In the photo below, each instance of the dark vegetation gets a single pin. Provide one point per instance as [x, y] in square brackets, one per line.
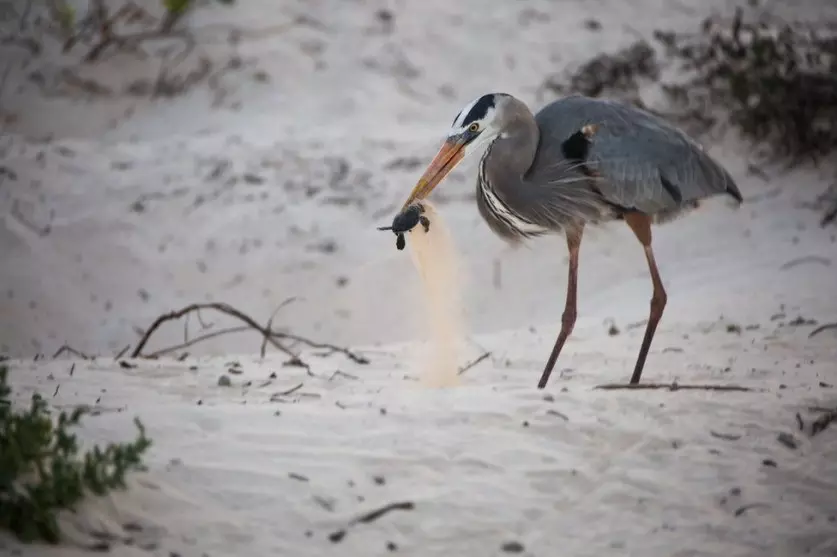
[777, 80]
[156, 29]
[773, 81]
[43, 470]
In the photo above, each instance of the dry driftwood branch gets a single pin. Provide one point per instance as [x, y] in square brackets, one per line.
[219, 307]
[473, 362]
[269, 335]
[671, 387]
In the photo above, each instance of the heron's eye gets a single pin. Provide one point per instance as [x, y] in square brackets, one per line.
[475, 127]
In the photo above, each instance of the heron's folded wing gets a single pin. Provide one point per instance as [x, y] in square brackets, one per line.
[648, 165]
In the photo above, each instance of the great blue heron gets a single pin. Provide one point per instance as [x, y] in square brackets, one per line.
[578, 160]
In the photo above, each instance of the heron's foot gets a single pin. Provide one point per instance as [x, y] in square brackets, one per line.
[405, 221]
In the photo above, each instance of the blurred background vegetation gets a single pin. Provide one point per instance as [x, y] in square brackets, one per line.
[771, 81]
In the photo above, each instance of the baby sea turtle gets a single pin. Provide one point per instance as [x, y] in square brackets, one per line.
[405, 221]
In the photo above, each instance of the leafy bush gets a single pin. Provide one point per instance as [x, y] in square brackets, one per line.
[776, 80]
[42, 471]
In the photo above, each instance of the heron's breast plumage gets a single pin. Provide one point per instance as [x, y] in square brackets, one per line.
[503, 219]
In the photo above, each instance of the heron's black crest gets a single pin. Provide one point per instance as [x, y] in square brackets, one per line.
[479, 110]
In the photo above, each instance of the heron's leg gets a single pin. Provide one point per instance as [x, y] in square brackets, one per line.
[568, 318]
[641, 225]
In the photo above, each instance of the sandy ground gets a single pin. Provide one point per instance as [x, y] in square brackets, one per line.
[270, 185]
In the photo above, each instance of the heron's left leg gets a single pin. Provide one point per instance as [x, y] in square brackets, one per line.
[568, 318]
[641, 225]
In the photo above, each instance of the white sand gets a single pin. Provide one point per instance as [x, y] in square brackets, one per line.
[276, 191]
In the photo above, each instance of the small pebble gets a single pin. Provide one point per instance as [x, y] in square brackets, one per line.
[787, 440]
[512, 547]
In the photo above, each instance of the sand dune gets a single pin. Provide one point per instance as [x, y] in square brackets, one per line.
[274, 190]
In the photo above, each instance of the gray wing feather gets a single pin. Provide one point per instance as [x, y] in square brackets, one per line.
[641, 162]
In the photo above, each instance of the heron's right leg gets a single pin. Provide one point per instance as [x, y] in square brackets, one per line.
[641, 225]
[568, 318]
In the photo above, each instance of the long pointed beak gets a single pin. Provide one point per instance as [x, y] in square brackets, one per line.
[449, 155]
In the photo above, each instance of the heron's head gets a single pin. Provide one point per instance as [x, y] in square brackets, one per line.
[480, 122]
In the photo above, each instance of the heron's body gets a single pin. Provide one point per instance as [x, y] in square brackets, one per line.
[549, 175]
[579, 160]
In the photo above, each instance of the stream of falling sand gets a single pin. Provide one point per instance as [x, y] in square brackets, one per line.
[434, 257]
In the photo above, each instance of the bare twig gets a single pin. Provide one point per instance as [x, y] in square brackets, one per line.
[339, 373]
[122, 352]
[741, 510]
[374, 515]
[70, 350]
[725, 436]
[371, 516]
[671, 387]
[473, 362]
[820, 424]
[821, 329]
[186, 327]
[356, 358]
[269, 327]
[197, 339]
[275, 397]
[290, 391]
[806, 259]
[203, 323]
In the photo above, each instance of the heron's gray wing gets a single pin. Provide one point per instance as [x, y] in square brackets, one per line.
[640, 162]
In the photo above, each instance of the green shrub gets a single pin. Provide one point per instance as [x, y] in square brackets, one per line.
[42, 470]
